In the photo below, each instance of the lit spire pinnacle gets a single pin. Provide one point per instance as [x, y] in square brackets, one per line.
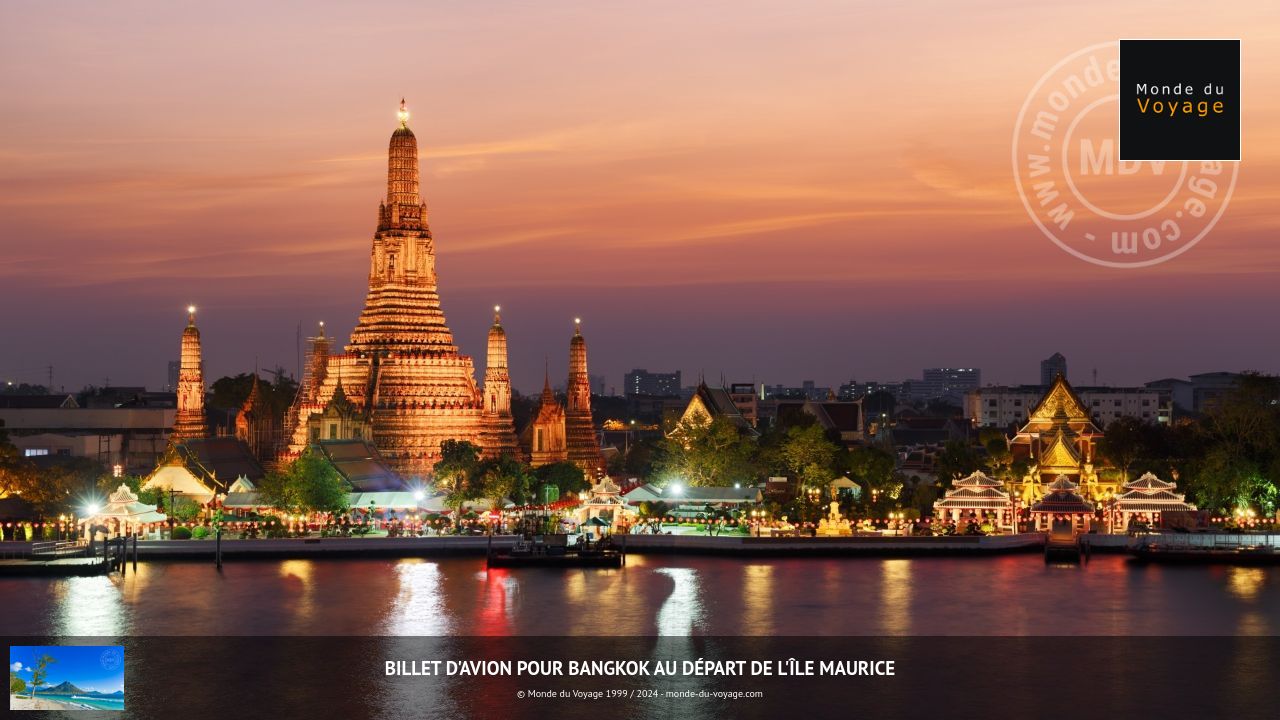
[191, 314]
[577, 326]
[403, 114]
[497, 319]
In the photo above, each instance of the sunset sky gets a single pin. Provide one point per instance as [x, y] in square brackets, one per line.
[774, 191]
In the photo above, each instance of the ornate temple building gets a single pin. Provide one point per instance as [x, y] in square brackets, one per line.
[339, 420]
[1061, 508]
[190, 422]
[497, 428]
[566, 432]
[579, 429]
[978, 496]
[1059, 439]
[258, 426]
[1146, 500]
[545, 436]
[401, 371]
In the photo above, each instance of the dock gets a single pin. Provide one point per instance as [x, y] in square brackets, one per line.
[1213, 548]
[64, 559]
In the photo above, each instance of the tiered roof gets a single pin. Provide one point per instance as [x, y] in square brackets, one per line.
[1062, 498]
[1151, 494]
[975, 492]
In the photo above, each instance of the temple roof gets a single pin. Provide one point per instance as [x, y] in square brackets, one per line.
[255, 396]
[549, 408]
[216, 461]
[977, 491]
[978, 479]
[716, 402]
[1061, 398]
[1061, 452]
[1149, 482]
[1063, 503]
[1062, 483]
[360, 465]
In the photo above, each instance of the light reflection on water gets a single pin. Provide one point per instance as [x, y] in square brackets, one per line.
[681, 612]
[1246, 582]
[675, 596]
[895, 597]
[757, 606]
[418, 607]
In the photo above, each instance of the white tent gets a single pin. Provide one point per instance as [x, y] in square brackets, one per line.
[123, 513]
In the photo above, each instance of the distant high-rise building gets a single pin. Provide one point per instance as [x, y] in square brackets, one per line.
[854, 390]
[1051, 367]
[949, 383]
[657, 384]
[174, 367]
[808, 390]
[598, 385]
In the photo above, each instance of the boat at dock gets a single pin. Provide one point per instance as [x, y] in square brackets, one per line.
[557, 551]
[1223, 548]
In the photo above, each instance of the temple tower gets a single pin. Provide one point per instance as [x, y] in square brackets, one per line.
[401, 371]
[499, 434]
[257, 423]
[547, 431]
[580, 432]
[190, 422]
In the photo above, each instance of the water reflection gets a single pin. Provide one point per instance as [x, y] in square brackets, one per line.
[497, 602]
[1246, 582]
[692, 597]
[89, 606]
[682, 610]
[418, 608]
[757, 599]
[895, 597]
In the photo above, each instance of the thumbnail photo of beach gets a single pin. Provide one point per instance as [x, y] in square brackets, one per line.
[66, 677]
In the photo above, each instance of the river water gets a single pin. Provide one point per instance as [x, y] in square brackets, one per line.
[669, 596]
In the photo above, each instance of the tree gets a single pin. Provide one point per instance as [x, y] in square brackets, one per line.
[567, 477]
[320, 487]
[16, 684]
[457, 473]
[233, 390]
[706, 452]
[40, 672]
[809, 455]
[1241, 456]
[957, 459]
[505, 477]
[1123, 443]
[308, 484]
[873, 467]
[999, 456]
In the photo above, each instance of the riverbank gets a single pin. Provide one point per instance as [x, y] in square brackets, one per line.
[727, 546]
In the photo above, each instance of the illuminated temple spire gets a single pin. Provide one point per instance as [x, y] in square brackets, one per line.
[402, 167]
[190, 421]
[402, 310]
[580, 433]
[401, 371]
[499, 436]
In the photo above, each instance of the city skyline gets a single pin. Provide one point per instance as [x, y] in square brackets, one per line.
[773, 229]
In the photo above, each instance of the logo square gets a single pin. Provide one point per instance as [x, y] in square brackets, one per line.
[1180, 100]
